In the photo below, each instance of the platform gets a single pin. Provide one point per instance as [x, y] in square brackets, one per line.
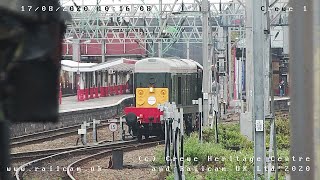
[71, 103]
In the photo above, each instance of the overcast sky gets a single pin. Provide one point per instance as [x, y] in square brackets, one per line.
[106, 2]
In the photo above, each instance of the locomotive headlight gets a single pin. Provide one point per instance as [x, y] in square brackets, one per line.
[151, 89]
[152, 100]
[140, 92]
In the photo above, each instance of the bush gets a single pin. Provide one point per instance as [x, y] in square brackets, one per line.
[282, 133]
[229, 136]
[159, 157]
[189, 175]
[194, 149]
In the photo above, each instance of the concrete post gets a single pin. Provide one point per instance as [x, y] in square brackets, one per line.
[249, 60]
[258, 108]
[117, 159]
[76, 54]
[205, 54]
[267, 58]
[94, 129]
[230, 67]
[316, 65]
[200, 118]
[160, 25]
[123, 134]
[302, 92]
[188, 50]
[103, 47]
[76, 57]
[246, 124]
[83, 134]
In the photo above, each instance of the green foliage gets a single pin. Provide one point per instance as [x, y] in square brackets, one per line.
[237, 164]
[232, 174]
[282, 133]
[159, 157]
[283, 126]
[189, 175]
[201, 151]
[229, 136]
[283, 153]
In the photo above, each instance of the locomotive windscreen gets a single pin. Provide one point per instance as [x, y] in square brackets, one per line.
[157, 80]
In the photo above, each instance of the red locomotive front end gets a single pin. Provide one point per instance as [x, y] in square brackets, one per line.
[144, 118]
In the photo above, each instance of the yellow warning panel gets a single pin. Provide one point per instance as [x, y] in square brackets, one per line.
[151, 97]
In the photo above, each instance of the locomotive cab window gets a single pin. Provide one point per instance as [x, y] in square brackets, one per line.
[152, 81]
[159, 80]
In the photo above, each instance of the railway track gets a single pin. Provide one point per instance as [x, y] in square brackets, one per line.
[52, 134]
[63, 158]
[29, 155]
[79, 162]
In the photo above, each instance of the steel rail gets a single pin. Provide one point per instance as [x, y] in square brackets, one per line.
[79, 150]
[49, 135]
[102, 154]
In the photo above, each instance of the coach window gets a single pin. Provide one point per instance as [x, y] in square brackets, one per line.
[179, 90]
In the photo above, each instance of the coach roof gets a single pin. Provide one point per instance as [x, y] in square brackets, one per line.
[169, 65]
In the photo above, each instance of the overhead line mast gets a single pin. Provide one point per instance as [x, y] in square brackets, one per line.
[205, 58]
[258, 99]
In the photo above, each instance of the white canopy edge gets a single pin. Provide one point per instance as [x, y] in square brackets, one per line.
[73, 66]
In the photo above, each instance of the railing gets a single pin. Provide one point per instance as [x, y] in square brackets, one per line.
[102, 91]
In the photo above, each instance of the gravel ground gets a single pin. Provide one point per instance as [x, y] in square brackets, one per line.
[103, 134]
[134, 167]
[51, 169]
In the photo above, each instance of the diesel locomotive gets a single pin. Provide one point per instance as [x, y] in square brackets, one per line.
[159, 80]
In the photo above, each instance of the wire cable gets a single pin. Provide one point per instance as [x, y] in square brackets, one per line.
[176, 154]
[167, 148]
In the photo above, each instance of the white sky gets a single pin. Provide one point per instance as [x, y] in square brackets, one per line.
[106, 2]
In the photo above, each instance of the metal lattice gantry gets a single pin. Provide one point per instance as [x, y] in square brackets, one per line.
[140, 22]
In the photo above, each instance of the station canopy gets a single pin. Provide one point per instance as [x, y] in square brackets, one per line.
[117, 65]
